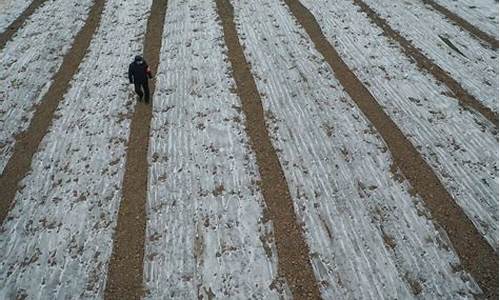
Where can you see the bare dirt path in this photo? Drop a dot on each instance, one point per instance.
(17, 23)
(293, 252)
(125, 273)
(27, 142)
(424, 63)
(477, 257)
(492, 41)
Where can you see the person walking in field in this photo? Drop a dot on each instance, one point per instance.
(138, 74)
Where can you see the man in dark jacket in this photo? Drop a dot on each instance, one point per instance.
(138, 74)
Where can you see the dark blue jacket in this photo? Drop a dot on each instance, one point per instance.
(138, 71)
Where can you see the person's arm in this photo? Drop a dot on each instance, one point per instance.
(130, 76)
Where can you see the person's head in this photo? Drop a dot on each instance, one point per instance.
(138, 59)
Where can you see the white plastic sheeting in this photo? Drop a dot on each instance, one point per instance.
(475, 68)
(368, 237)
(57, 238)
(206, 233)
(460, 146)
(481, 13)
(10, 10)
(30, 60)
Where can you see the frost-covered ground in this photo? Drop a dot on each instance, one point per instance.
(10, 10)
(206, 233)
(30, 60)
(368, 237)
(56, 240)
(460, 145)
(480, 13)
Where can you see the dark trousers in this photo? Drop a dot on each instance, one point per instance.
(140, 87)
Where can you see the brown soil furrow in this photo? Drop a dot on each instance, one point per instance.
(492, 41)
(14, 26)
(125, 273)
(27, 142)
(424, 63)
(293, 253)
(476, 255)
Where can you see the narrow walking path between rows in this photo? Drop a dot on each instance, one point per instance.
(481, 14)
(491, 40)
(125, 273)
(59, 231)
(423, 62)
(18, 22)
(477, 257)
(30, 61)
(207, 234)
(369, 236)
(27, 142)
(293, 252)
(471, 63)
(435, 123)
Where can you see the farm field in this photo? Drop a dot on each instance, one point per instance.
(292, 149)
